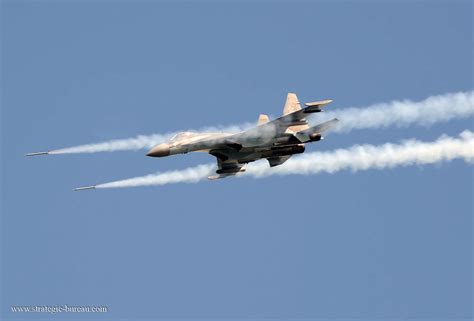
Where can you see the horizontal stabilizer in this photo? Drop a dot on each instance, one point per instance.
(316, 106)
(321, 128)
(314, 133)
(321, 103)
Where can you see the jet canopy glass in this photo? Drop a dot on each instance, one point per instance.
(181, 136)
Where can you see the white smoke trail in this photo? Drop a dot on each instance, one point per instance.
(189, 175)
(365, 157)
(135, 143)
(432, 110)
(355, 158)
(140, 141)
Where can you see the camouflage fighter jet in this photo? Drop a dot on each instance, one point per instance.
(276, 140)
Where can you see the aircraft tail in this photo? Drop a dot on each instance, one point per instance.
(262, 119)
(292, 104)
(315, 133)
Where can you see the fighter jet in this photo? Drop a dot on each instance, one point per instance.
(275, 140)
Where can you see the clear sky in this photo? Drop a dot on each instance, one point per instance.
(372, 245)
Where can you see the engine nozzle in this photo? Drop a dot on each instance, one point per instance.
(315, 137)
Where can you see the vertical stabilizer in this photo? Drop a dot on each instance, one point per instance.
(262, 119)
(292, 104)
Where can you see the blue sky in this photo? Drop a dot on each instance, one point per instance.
(373, 245)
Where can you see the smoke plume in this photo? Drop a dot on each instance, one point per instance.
(139, 142)
(355, 158)
(432, 110)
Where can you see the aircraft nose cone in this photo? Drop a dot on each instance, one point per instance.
(160, 150)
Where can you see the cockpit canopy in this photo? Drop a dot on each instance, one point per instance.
(180, 136)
